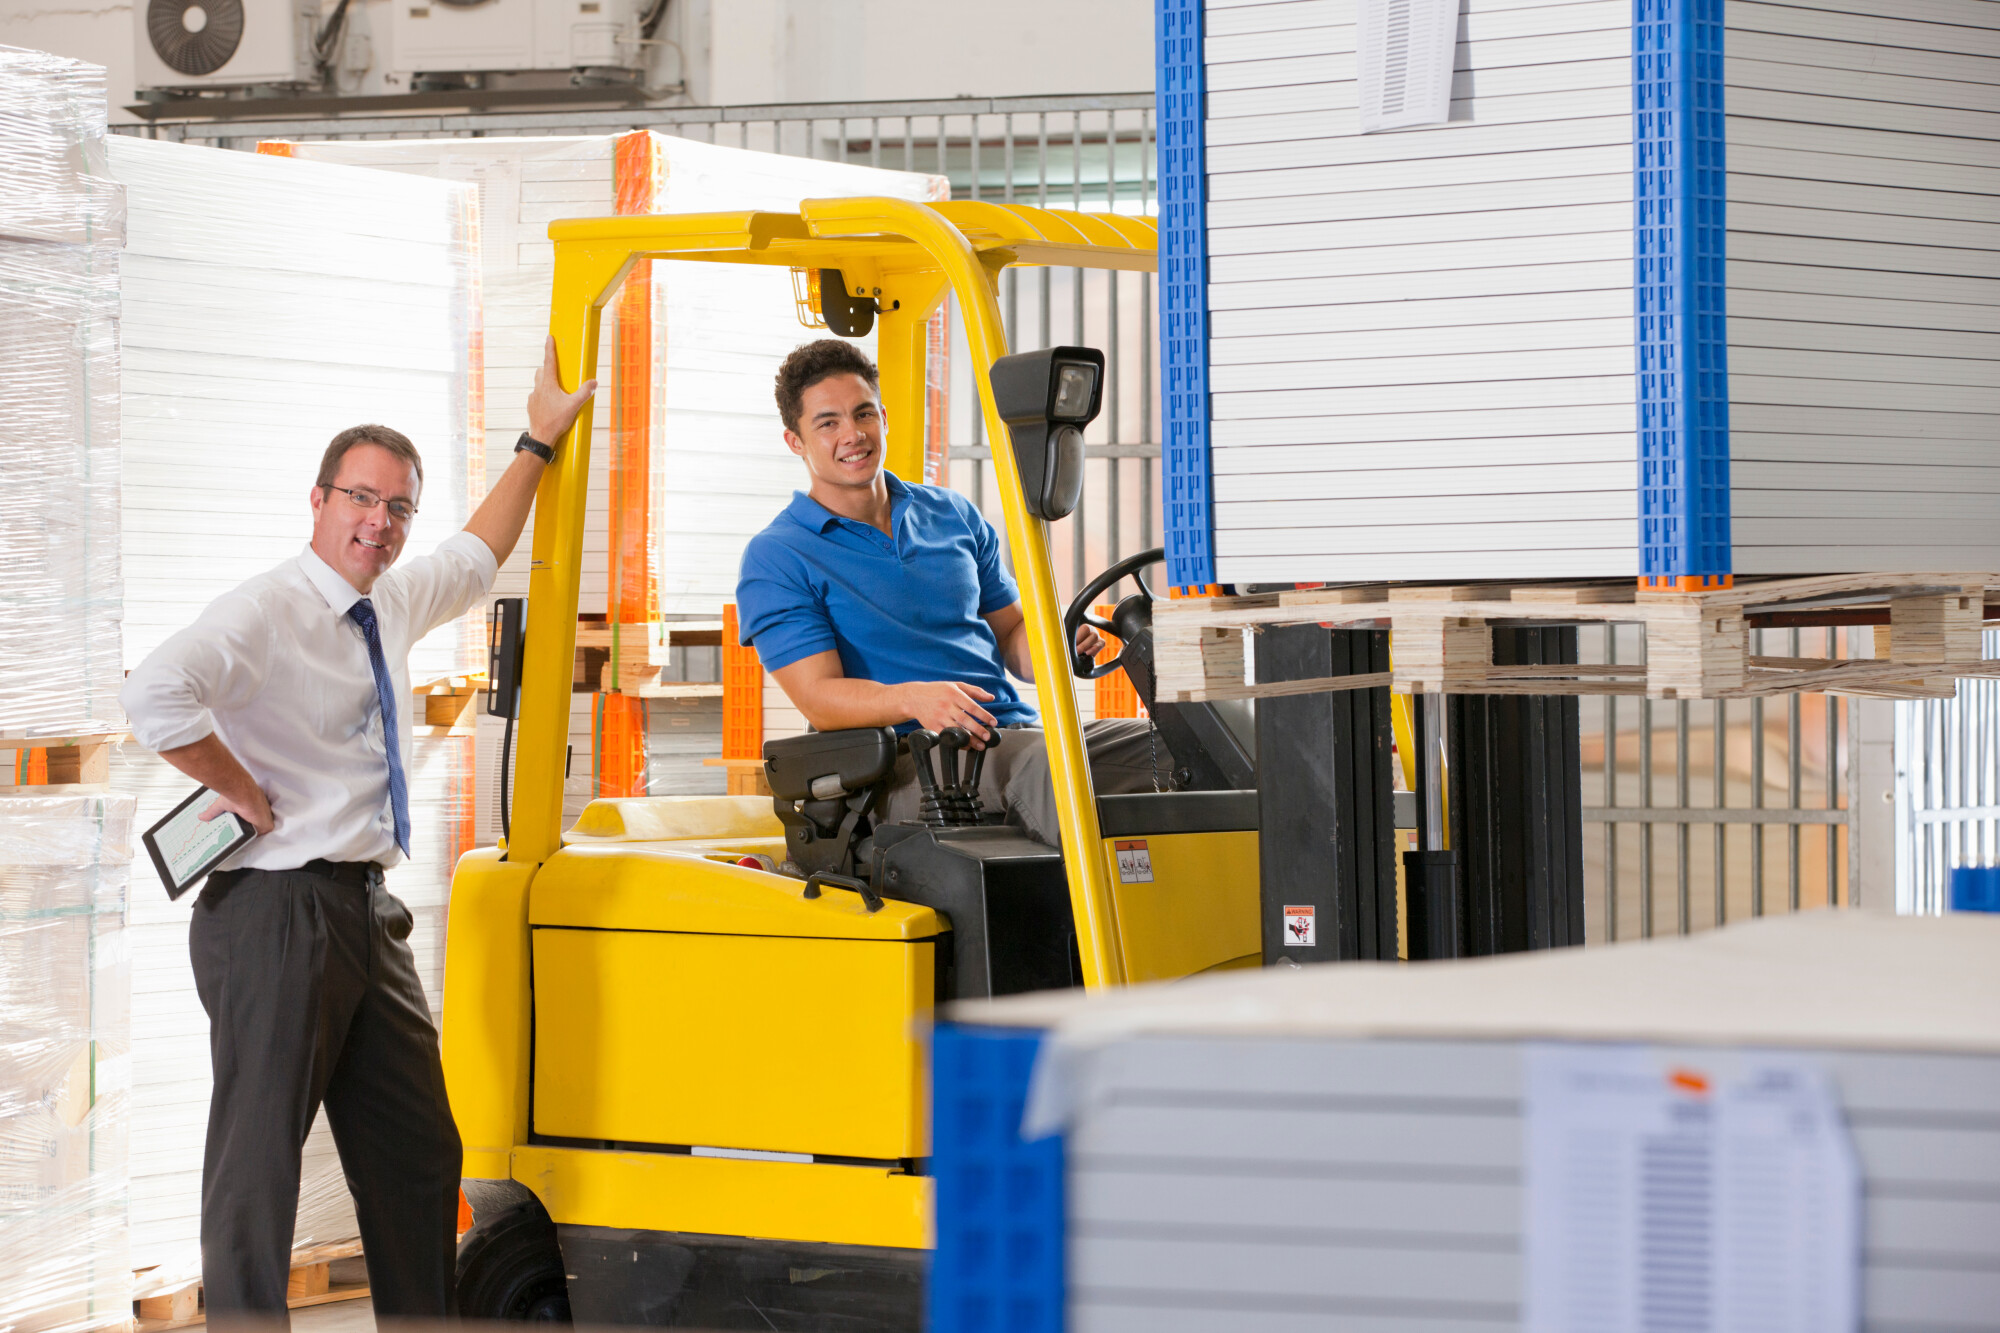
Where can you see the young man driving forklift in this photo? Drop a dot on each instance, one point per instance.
(876, 602)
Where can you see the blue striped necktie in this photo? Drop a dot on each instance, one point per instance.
(363, 614)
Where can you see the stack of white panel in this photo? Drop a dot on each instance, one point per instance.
(267, 305)
(719, 463)
(61, 226)
(1422, 344)
(1361, 1145)
(65, 1063)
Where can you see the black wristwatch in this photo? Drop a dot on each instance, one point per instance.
(534, 446)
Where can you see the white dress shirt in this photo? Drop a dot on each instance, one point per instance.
(277, 669)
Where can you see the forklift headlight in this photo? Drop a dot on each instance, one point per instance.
(1076, 391)
(1047, 398)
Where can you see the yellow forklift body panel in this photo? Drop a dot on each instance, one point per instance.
(1194, 906)
(757, 1042)
(847, 1205)
(487, 1024)
(661, 886)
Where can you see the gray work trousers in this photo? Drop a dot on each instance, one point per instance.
(313, 996)
(1016, 777)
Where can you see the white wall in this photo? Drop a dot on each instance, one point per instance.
(736, 52)
(760, 51)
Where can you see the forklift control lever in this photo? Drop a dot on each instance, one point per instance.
(950, 741)
(921, 744)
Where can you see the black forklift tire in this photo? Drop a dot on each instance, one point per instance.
(510, 1267)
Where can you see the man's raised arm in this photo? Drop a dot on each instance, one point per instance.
(551, 412)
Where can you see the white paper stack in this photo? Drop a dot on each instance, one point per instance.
(719, 463)
(1792, 1124)
(1422, 341)
(61, 226)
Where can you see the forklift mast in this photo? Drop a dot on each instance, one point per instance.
(902, 258)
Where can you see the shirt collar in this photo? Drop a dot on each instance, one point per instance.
(810, 514)
(339, 593)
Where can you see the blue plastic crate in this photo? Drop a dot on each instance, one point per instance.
(1679, 288)
(1975, 889)
(999, 1266)
(1181, 77)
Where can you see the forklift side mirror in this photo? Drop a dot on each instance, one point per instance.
(1047, 398)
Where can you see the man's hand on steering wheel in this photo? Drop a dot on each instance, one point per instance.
(937, 704)
(1089, 643)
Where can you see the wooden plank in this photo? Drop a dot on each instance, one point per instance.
(746, 777)
(1280, 688)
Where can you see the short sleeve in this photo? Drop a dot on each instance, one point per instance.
(445, 584)
(997, 589)
(781, 616)
(220, 661)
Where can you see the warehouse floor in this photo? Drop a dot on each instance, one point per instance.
(339, 1317)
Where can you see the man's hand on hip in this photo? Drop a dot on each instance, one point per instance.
(937, 704)
(212, 764)
(256, 812)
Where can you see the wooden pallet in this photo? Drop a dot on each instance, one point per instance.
(642, 654)
(54, 761)
(1927, 634)
(450, 704)
(311, 1284)
(746, 776)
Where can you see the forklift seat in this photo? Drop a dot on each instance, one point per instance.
(827, 765)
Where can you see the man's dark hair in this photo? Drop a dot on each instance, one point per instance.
(382, 437)
(810, 363)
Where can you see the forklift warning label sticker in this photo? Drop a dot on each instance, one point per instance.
(1135, 862)
(1299, 925)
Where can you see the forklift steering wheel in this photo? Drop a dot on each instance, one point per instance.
(1080, 614)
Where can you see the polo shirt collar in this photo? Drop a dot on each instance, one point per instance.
(339, 593)
(813, 516)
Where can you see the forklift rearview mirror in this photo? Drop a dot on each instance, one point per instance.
(1047, 398)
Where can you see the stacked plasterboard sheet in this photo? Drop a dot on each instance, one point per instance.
(61, 225)
(267, 305)
(1864, 284)
(720, 467)
(65, 1062)
(1422, 343)
(1345, 1144)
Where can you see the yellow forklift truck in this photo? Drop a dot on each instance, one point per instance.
(685, 1039)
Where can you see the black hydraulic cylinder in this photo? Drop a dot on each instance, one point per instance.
(1326, 836)
(1436, 907)
(1517, 806)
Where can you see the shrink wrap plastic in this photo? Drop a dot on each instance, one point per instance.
(65, 1062)
(61, 226)
(719, 469)
(269, 304)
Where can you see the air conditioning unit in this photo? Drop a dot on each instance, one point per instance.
(471, 36)
(225, 43)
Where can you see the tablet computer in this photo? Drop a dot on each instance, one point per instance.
(184, 847)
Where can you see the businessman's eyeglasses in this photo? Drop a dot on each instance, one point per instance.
(400, 510)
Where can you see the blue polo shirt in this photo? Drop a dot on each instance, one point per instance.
(896, 608)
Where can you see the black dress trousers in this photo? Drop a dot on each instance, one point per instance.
(312, 995)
